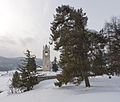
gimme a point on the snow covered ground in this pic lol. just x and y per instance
(49, 73)
(102, 89)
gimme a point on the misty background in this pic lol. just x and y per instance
(25, 24)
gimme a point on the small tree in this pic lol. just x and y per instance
(15, 85)
(16, 80)
(26, 79)
(28, 72)
(54, 65)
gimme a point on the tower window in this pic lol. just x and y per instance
(46, 53)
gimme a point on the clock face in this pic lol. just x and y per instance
(46, 53)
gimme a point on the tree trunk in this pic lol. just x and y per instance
(87, 83)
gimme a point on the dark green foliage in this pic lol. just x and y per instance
(27, 73)
(55, 65)
(81, 50)
(16, 80)
(112, 32)
(31, 64)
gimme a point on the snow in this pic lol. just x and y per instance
(102, 89)
(49, 73)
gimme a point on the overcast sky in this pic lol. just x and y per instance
(25, 24)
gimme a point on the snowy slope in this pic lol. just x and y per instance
(103, 90)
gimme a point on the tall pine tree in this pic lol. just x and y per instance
(79, 47)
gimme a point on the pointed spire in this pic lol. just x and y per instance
(46, 46)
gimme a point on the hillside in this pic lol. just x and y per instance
(102, 89)
(12, 63)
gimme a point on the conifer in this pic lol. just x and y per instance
(54, 65)
(81, 50)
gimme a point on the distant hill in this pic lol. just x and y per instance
(12, 63)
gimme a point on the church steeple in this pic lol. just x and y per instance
(46, 58)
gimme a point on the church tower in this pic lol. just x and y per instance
(46, 58)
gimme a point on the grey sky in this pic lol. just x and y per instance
(25, 24)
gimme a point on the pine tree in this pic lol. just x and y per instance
(112, 32)
(26, 78)
(28, 72)
(15, 83)
(79, 46)
(16, 80)
(54, 65)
